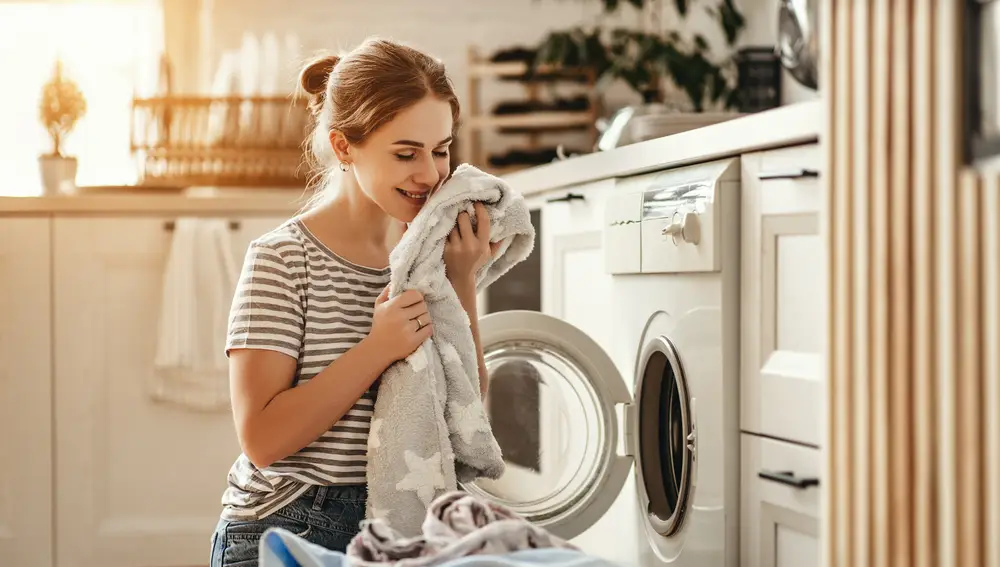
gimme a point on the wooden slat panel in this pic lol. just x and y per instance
(969, 386)
(924, 267)
(841, 227)
(945, 114)
(861, 305)
(901, 296)
(878, 274)
(914, 369)
(990, 222)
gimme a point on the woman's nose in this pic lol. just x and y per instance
(427, 173)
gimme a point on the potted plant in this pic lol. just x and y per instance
(650, 59)
(61, 106)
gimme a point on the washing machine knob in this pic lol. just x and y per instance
(684, 227)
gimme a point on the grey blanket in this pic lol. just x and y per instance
(456, 525)
(429, 430)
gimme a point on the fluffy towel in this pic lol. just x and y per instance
(458, 530)
(429, 429)
(190, 367)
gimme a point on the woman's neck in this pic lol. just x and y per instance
(355, 227)
(357, 212)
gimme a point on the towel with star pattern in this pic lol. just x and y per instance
(429, 428)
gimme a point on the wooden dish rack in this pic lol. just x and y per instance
(225, 141)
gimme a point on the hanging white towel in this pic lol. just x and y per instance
(190, 367)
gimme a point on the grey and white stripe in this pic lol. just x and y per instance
(298, 297)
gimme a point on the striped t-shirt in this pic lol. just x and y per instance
(296, 296)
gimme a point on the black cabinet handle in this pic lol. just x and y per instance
(789, 174)
(789, 478)
(567, 197)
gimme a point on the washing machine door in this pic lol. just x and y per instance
(552, 403)
(664, 439)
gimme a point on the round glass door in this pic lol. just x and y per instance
(665, 437)
(551, 405)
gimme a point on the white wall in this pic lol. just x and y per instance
(446, 28)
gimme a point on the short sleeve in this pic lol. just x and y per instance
(267, 310)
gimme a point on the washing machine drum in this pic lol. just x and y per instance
(559, 406)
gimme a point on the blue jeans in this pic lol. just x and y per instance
(329, 516)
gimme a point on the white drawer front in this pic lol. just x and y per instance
(780, 494)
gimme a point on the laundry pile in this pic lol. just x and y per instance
(459, 530)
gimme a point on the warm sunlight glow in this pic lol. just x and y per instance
(111, 49)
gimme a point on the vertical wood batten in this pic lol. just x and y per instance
(924, 326)
(991, 369)
(945, 115)
(861, 520)
(969, 390)
(841, 227)
(902, 442)
(877, 273)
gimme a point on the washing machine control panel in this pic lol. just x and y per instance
(668, 221)
(678, 228)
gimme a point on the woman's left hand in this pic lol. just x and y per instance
(467, 250)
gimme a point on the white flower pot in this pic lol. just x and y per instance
(58, 174)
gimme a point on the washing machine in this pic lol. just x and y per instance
(635, 461)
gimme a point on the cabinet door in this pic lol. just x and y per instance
(780, 504)
(575, 285)
(138, 482)
(25, 392)
(783, 295)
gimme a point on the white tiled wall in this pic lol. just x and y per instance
(445, 28)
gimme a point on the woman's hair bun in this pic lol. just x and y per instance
(316, 73)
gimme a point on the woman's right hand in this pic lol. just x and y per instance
(395, 329)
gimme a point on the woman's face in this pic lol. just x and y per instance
(405, 159)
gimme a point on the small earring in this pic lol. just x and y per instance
(344, 166)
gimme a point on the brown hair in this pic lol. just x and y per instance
(367, 87)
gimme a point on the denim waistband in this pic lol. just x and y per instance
(316, 496)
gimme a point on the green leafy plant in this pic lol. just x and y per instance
(61, 106)
(644, 59)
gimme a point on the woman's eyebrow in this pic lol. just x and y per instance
(420, 144)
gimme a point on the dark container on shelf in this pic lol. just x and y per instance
(759, 82)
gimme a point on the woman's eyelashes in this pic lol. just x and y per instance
(412, 156)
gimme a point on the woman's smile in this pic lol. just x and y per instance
(417, 198)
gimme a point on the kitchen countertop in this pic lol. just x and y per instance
(787, 125)
(227, 202)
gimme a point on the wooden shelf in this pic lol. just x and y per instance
(534, 124)
(486, 69)
(533, 120)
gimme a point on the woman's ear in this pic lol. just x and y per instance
(341, 147)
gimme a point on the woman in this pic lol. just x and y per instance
(311, 327)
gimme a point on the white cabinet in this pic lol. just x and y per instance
(783, 290)
(137, 482)
(780, 499)
(575, 286)
(25, 392)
